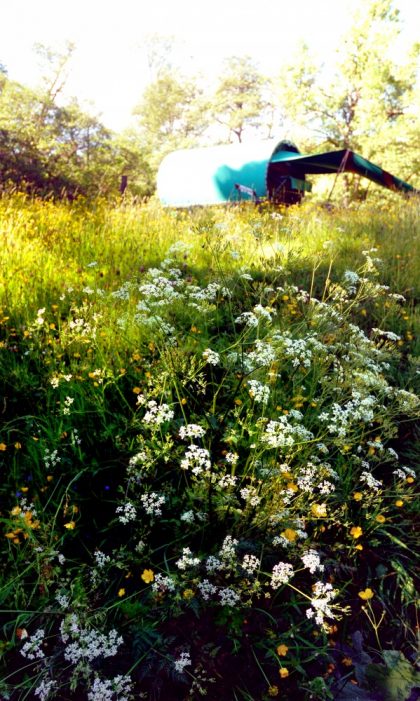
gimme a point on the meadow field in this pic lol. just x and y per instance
(208, 442)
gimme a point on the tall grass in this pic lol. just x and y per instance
(208, 445)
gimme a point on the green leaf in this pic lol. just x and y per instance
(395, 680)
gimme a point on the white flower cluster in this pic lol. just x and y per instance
(211, 357)
(196, 459)
(87, 644)
(127, 513)
(152, 503)
(247, 319)
(350, 281)
(157, 414)
(282, 573)
(101, 560)
(138, 458)
(45, 689)
(250, 495)
(228, 597)
(312, 561)
(163, 583)
(67, 405)
(297, 349)
(403, 472)
(252, 319)
(228, 550)
(187, 560)
(32, 649)
(259, 392)
(370, 480)
(117, 689)
(388, 335)
(183, 661)
(227, 481)
(55, 381)
(207, 589)
(123, 292)
(62, 600)
(359, 408)
(282, 434)
(213, 564)
(162, 292)
(320, 602)
(191, 431)
(51, 458)
(250, 563)
(263, 355)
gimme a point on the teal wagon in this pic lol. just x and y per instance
(256, 171)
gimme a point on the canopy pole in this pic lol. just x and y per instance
(340, 170)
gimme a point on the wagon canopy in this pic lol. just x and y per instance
(336, 162)
(203, 176)
(265, 169)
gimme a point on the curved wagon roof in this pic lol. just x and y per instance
(264, 169)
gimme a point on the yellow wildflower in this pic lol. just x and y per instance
(148, 576)
(282, 650)
(273, 691)
(356, 531)
(18, 445)
(380, 518)
(284, 672)
(290, 535)
(399, 502)
(3, 447)
(121, 592)
(366, 594)
(188, 594)
(357, 496)
(136, 390)
(70, 525)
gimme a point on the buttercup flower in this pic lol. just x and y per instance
(356, 531)
(366, 594)
(147, 576)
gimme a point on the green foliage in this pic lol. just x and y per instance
(395, 679)
(369, 103)
(240, 101)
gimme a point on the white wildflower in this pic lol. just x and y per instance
(281, 574)
(184, 660)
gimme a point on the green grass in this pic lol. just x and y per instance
(238, 382)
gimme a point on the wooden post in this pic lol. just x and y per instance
(123, 184)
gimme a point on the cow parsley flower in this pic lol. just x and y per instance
(184, 660)
(282, 573)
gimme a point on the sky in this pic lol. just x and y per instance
(109, 68)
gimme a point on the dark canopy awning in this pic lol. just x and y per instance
(337, 162)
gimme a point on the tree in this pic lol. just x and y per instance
(241, 98)
(364, 105)
(172, 114)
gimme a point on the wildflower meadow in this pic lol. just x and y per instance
(208, 444)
